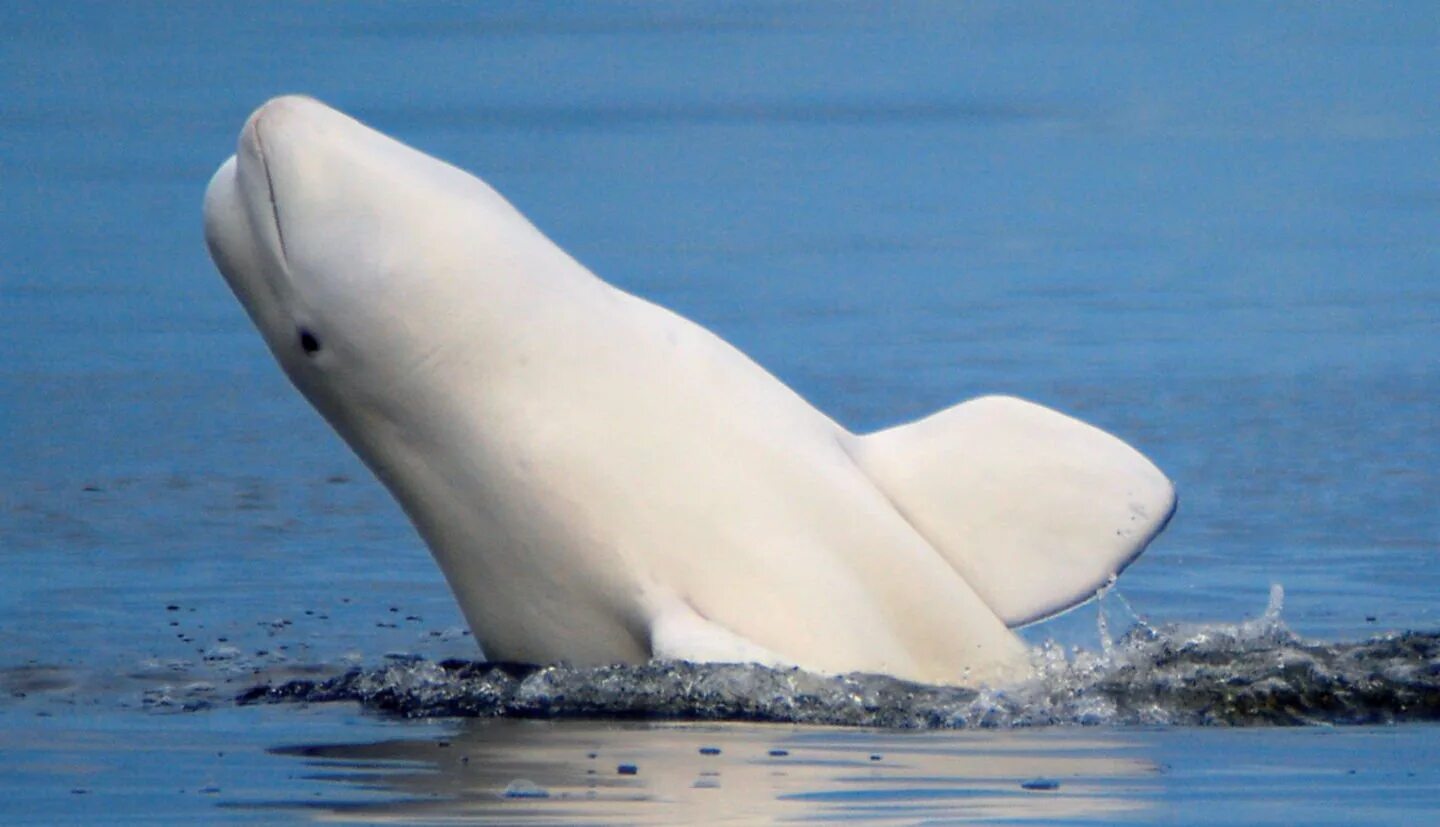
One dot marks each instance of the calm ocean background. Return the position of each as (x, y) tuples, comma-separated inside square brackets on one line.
[(1211, 229)]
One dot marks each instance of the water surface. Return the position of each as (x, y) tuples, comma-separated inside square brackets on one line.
[(1210, 230)]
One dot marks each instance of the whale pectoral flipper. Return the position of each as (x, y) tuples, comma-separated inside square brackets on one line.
[(678, 631), (1035, 509)]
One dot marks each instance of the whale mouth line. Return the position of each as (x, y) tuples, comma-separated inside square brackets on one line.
[(270, 194)]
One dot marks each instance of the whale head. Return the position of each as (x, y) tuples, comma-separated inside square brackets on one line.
[(367, 266)]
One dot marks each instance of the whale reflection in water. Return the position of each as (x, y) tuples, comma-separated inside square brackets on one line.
[(637, 773)]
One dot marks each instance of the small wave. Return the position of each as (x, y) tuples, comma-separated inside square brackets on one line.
[(1252, 673)]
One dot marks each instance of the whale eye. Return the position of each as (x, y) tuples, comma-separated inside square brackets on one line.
[(308, 342)]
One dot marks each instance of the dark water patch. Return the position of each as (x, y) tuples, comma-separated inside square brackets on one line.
[(1253, 674), (35, 678)]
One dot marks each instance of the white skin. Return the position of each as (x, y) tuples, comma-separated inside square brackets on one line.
[(599, 479)]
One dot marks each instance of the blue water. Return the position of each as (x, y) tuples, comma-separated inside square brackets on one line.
[(1211, 230)]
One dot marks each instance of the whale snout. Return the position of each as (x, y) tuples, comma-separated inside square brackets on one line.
[(294, 170), (266, 179), (279, 116), (273, 146)]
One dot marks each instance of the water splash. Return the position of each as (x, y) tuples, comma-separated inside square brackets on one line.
[(1256, 672), (1102, 621)]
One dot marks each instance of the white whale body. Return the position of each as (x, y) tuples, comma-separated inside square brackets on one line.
[(601, 480)]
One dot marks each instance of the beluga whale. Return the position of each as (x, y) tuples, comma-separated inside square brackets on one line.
[(603, 481)]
